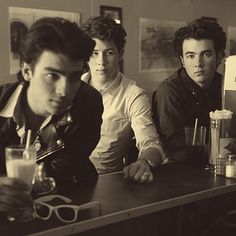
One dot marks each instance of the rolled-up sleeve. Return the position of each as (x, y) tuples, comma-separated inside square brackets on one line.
[(143, 125)]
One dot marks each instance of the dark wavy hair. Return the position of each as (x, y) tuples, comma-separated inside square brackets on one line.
[(57, 35), (200, 29), (105, 28)]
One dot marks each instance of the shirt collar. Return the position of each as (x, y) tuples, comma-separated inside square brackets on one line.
[(13, 101), (195, 88), (109, 89)]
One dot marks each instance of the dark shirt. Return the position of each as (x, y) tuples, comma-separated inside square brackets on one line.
[(177, 102), (66, 141)]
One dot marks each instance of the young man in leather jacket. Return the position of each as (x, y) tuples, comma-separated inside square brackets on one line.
[(63, 112)]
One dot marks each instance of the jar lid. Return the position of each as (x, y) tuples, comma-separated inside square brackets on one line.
[(231, 156)]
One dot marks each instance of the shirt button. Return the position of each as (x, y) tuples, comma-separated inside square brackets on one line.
[(193, 93), (59, 142), (68, 118), (197, 103)]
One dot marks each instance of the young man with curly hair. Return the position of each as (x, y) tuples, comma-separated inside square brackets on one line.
[(127, 108), (193, 90)]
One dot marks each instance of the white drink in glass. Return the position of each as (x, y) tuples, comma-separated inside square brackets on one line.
[(20, 163), (22, 169)]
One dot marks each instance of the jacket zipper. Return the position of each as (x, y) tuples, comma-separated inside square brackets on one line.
[(42, 156)]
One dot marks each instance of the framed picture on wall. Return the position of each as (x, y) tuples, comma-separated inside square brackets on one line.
[(20, 19), (209, 19), (114, 12), (156, 52), (232, 40)]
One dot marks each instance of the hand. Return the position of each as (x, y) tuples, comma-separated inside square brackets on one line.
[(139, 171), (13, 194)]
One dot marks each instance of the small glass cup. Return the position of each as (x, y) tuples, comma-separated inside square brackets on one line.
[(20, 163), (195, 139), (200, 136)]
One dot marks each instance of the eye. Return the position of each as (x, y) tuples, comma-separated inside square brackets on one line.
[(110, 52), (94, 53), (51, 76), (207, 54), (190, 56)]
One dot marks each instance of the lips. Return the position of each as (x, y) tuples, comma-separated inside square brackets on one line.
[(62, 103), (199, 73)]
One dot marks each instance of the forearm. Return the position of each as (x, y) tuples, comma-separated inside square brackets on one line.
[(153, 154)]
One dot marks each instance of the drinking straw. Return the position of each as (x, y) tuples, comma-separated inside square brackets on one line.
[(28, 140), (195, 130), (26, 152)]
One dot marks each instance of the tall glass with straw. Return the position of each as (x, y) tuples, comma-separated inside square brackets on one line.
[(195, 139), (20, 163)]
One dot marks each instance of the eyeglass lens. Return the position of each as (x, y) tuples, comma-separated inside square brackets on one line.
[(66, 213), (42, 210)]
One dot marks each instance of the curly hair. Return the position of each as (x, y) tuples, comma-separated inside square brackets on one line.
[(58, 35), (200, 29), (105, 28)]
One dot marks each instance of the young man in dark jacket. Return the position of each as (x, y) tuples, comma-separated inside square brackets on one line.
[(192, 91), (63, 113)]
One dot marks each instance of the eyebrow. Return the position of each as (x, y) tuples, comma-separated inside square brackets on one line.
[(107, 49), (189, 52), (51, 69)]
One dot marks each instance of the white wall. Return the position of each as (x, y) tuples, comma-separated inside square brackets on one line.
[(132, 10)]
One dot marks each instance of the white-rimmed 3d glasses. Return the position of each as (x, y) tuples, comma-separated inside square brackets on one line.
[(66, 212)]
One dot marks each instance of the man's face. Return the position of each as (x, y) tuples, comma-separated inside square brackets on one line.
[(53, 83), (104, 61), (200, 60)]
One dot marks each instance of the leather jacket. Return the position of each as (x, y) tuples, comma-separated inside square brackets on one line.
[(66, 142)]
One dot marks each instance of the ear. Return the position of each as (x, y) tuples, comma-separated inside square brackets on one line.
[(26, 71), (219, 57), (182, 61)]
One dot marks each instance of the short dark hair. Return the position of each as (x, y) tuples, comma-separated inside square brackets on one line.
[(105, 28), (57, 35), (200, 29)]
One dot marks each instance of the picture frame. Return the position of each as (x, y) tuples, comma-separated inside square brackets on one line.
[(20, 20), (232, 40), (210, 19), (156, 52), (114, 12)]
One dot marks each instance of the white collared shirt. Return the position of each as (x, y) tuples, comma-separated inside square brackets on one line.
[(126, 107)]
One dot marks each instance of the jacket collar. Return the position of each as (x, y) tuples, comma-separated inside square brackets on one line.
[(12, 109)]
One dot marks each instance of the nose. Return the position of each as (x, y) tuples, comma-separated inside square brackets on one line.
[(101, 59), (62, 86), (199, 61)]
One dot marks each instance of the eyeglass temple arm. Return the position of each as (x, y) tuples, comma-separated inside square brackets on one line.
[(51, 197), (91, 204)]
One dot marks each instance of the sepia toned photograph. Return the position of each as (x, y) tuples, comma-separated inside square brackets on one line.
[(118, 118)]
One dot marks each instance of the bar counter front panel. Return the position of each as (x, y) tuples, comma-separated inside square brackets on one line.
[(124, 201)]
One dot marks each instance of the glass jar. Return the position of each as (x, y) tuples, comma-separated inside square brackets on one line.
[(220, 140), (230, 168), (220, 165)]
